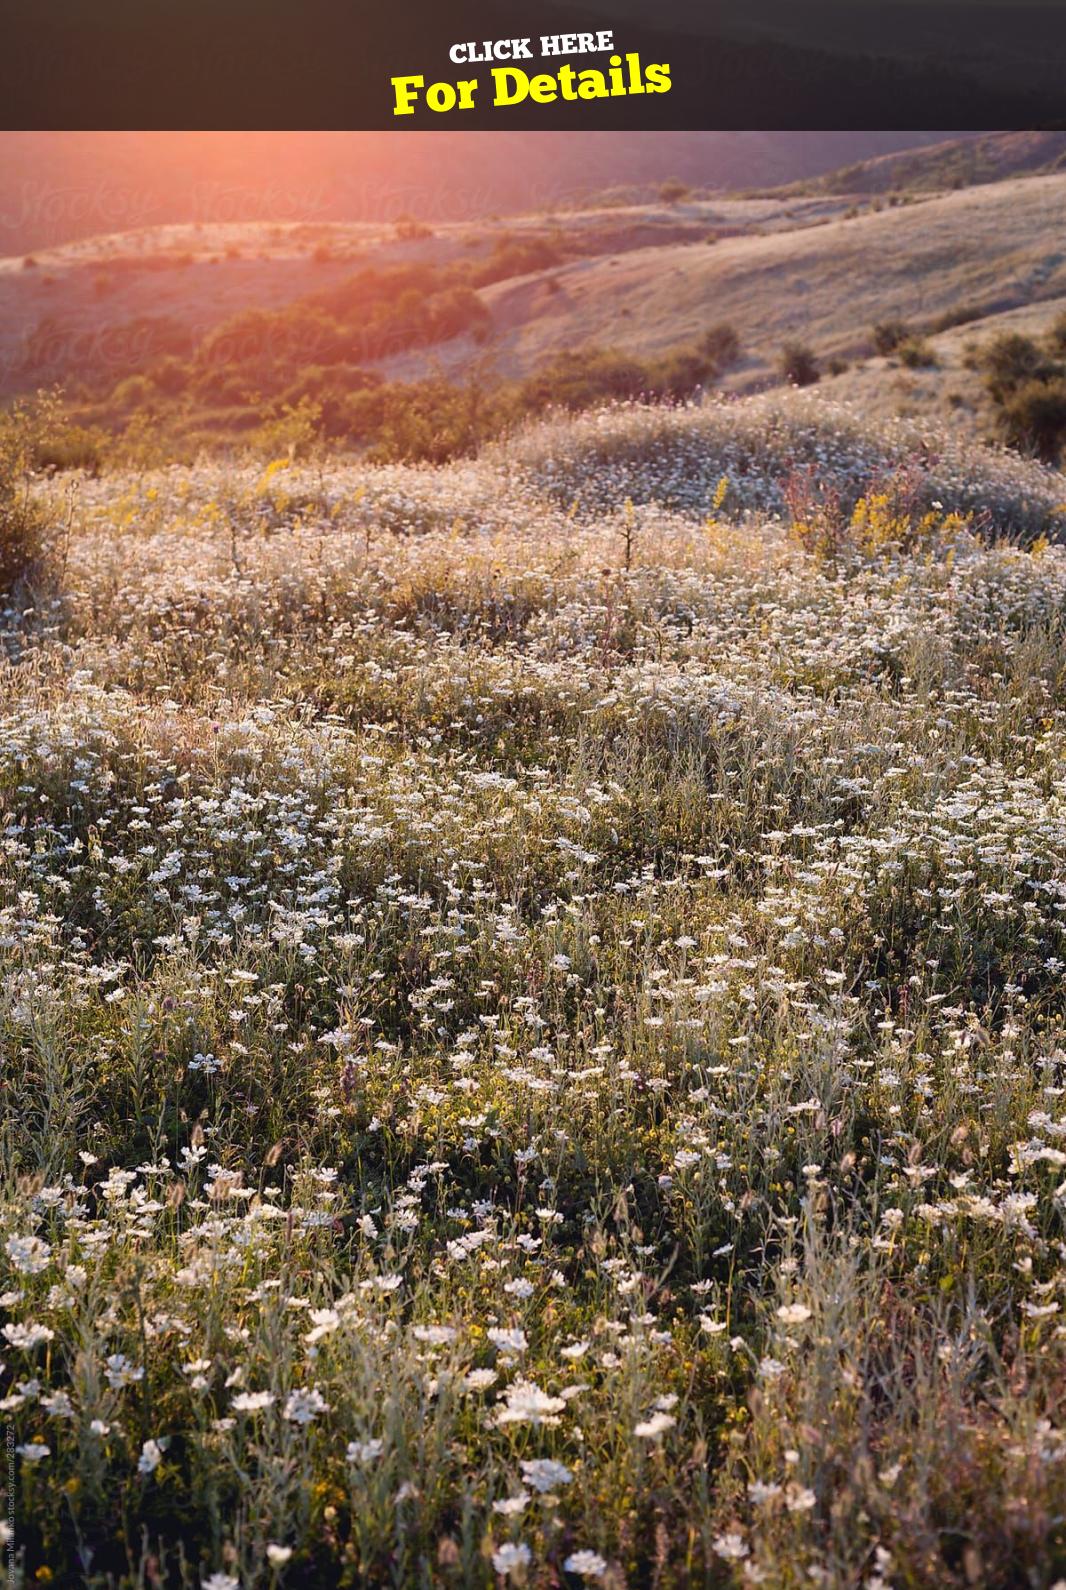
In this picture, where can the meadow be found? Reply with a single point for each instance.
(532, 1015)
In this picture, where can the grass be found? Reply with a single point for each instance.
(533, 1017)
(801, 281)
(955, 163)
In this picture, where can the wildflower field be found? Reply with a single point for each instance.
(533, 1020)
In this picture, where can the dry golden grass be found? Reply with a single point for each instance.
(826, 284)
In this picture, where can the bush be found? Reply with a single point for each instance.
(23, 527)
(583, 377)
(888, 334)
(292, 433)
(722, 346)
(580, 377)
(71, 447)
(916, 354)
(1056, 337)
(428, 421)
(516, 256)
(408, 230)
(170, 376)
(134, 392)
(1028, 389)
(799, 366)
(964, 315)
(1033, 417)
(1011, 360)
(672, 191)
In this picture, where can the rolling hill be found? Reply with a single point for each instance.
(642, 279)
(826, 280)
(59, 187)
(954, 163)
(65, 312)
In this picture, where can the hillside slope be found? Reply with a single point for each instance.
(66, 311)
(640, 279)
(951, 389)
(997, 247)
(954, 163)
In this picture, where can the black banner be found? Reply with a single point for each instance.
(484, 64)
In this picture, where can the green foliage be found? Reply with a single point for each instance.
(292, 433)
(247, 378)
(142, 443)
(515, 255)
(128, 349)
(586, 377)
(63, 446)
(26, 431)
(374, 315)
(429, 421)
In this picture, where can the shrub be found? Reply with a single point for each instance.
(71, 447)
(142, 444)
(799, 366)
(516, 256)
(1028, 388)
(134, 392)
(292, 433)
(429, 421)
(1056, 337)
(582, 377)
(579, 377)
(408, 230)
(1033, 417)
(888, 334)
(964, 315)
(672, 191)
(721, 344)
(169, 376)
(23, 527)
(916, 354)
(1010, 360)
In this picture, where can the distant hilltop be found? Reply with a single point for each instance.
(59, 187)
